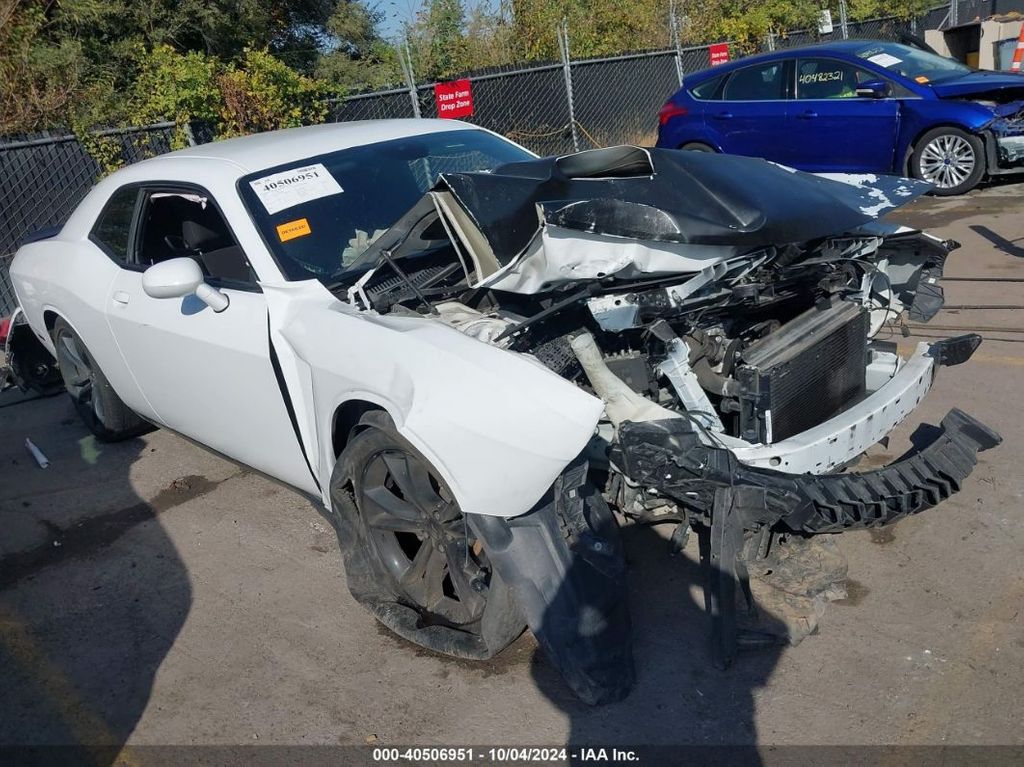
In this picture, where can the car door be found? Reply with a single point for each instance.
(833, 129)
(750, 117)
(208, 375)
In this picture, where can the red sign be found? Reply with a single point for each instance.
(719, 53)
(454, 99)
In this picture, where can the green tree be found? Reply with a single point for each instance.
(595, 28)
(38, 74)
(355, 55)
(260, 93)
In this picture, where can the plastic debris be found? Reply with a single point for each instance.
(37, 454)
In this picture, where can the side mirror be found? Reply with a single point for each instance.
(874, 89)
(180, 277)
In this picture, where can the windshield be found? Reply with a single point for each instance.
(320, 213)
(918, 65)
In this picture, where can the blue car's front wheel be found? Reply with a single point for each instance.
(951, 159)
(697, 146)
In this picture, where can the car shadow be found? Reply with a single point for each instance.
(679, 697)
(93, 592)
(1007, 246)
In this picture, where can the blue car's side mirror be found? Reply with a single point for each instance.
(873, 89)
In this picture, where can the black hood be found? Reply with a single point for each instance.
(670, 196)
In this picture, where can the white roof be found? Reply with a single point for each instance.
(267, 150)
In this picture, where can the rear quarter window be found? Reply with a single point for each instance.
(113, 227)
(709, 90)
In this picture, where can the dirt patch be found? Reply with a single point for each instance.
(519, 653)
(883, 535)
(855, 593)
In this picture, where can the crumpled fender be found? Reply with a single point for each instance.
(498, 426)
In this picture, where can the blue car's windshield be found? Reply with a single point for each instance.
(918, 65)
(319, 214)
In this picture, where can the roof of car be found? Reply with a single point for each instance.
(839, 46)
(267, 150)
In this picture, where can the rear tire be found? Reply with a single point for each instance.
(103, 412)
(951, 159)
(410, 557)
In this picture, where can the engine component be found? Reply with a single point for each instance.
(676, 368)
(632, 368)
(621, 403)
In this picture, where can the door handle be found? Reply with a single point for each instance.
(121, 296)
(810, 114)
(723, 116)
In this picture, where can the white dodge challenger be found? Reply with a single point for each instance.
(470, 356)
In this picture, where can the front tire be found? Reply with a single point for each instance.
(697, 146)
(951, 159)
(98, 405)
(410, 556)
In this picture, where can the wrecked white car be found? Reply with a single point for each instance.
(469, 356)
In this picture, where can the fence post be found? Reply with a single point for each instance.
(954, 13)
(410, 80)
(770, 41)
(842, 19)
(673, 23)
(563, 47)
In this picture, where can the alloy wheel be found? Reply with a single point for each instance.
(947, 161)
(422, 538)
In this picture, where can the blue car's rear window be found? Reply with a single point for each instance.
(708, 90)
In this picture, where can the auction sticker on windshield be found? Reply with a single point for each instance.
(884, 60)
(293, 187)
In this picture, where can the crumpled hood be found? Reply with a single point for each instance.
(669, 196)
(980, 84)
(629, 212)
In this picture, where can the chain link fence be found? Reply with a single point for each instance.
(872, 29)
(43, 178)
(552, 108)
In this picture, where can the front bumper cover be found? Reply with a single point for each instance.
(669, 456)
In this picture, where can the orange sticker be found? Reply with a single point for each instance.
(921, 79)
(292, 229)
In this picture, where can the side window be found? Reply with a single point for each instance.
(829, 79)
(113, 227)
(177, 223)
(759, 83)
(707, 91)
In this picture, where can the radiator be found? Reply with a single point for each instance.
(804, 373)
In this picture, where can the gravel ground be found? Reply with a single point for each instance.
(152, 593)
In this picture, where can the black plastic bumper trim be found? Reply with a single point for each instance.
(669, 456)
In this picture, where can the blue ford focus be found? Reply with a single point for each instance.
(856, 106)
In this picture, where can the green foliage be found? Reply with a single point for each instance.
(873, 9)
(358, 58)
(244, 65)
(38, 76)
(260, 93)
(176, 87)
(595, 28)
(255, 93)
(445, 22)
